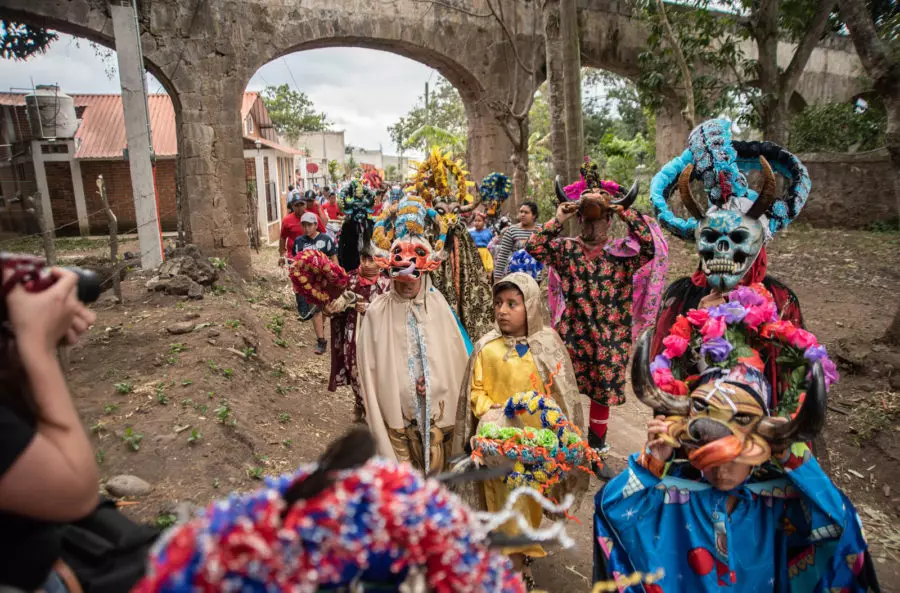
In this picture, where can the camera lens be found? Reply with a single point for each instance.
(88, 285)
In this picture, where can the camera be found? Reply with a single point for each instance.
(33, 273)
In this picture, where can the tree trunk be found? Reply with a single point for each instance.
(884, 68)
(775, 122)
(555, 82)
(571, 54)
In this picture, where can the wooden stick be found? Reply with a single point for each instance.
(113, 237)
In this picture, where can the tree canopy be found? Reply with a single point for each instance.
(292, 112)
(445, 125)
(20, 42)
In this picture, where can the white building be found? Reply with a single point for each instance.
(318, 149)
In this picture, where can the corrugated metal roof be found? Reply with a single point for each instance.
(101, 134)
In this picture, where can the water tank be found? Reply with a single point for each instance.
(51, 113)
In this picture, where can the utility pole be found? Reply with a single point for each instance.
(137, 129)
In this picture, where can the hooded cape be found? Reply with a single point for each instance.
(548, 351)
(392, 331)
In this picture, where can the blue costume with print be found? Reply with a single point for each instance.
(791, 531)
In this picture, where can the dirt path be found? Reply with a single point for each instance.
(269, 412)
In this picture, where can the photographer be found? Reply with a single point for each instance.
(47, 471)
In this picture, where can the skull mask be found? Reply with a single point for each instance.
(729, 241)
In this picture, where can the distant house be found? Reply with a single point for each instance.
(66, 169)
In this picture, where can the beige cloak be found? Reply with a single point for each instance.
(393, 332)
(548, 351)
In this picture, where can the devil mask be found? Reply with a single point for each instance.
(582, 192)
(400, 239)
(737, 221)
(710, 385)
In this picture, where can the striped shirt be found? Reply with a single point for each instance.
(513, 239)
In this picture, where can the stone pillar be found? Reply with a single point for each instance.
(489, 148)
(671, 131)
(213, 162)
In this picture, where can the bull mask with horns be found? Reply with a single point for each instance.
(725, 414)
(589, 208)
(737, 221)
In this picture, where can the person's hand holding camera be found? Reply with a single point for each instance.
(41, 320)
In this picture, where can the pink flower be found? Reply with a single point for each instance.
(668, 383)
(759, 314)
(713, 328)
(675, 346)
(698, 317)
(802, 339)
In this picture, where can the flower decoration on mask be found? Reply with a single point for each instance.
(317, 278)
(495, 189)
(725, 412)
(737, 221)
(581, 192)
(432, 184)
(400, 239)
(375, 523)
(372, 178)
(522, 261)
(542, 457)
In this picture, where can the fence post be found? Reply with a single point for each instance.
(113, 237)
(33, 207)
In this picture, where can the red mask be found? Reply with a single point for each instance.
(409, 258)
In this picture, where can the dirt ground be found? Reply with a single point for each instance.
(243, 395)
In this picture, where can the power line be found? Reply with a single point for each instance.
(288, 66)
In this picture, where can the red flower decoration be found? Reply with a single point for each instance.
(681, 328)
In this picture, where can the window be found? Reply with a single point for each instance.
(249, 124)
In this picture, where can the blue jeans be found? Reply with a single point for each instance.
(302, 306)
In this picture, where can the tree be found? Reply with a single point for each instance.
(20, 42)
(292, 112)
(881, 59)
(554, 88)
(690, 47)
(391, 174)
(334, 171)
(571, 51)
(445, 121)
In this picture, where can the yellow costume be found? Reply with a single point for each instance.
(487, 259)
(500, 371)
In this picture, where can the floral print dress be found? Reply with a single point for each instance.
(596, 321)
(343, 335)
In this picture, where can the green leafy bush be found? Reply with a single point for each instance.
(838, 127)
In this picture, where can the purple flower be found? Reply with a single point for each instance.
(815, 353)
(746, 296)
(717, 349)
(731, 311)
(660, 362)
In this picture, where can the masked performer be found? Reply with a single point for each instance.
(749, 509)
(737, 222)
(598, 285)
(461, 277)
(366, 281)
(411, 349)
(649, 281)
(520, 355)
(349, 522)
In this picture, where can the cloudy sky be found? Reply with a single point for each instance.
(363, 91)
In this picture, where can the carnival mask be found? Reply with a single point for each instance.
(451, 211)
(589, 207)
(726, 419)
(729, 241)
(409, 258)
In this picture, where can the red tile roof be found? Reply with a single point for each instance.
(101, 134)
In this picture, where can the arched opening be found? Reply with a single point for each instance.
(312, 116)
(80, 69)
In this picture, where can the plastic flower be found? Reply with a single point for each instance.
(757, 315)
(698, 317)
(675, 346)
(717, 349)
(668, 383)
(681, 328)
(713, 328)
(660, 362)
(746, 296)
(802, 339)
(732, 312)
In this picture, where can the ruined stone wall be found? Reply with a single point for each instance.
(849, 190)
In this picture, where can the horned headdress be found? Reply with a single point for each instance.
(731, 230)
(591, 182)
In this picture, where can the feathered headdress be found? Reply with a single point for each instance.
(357, 202)
(432, 181)
(495, 189)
